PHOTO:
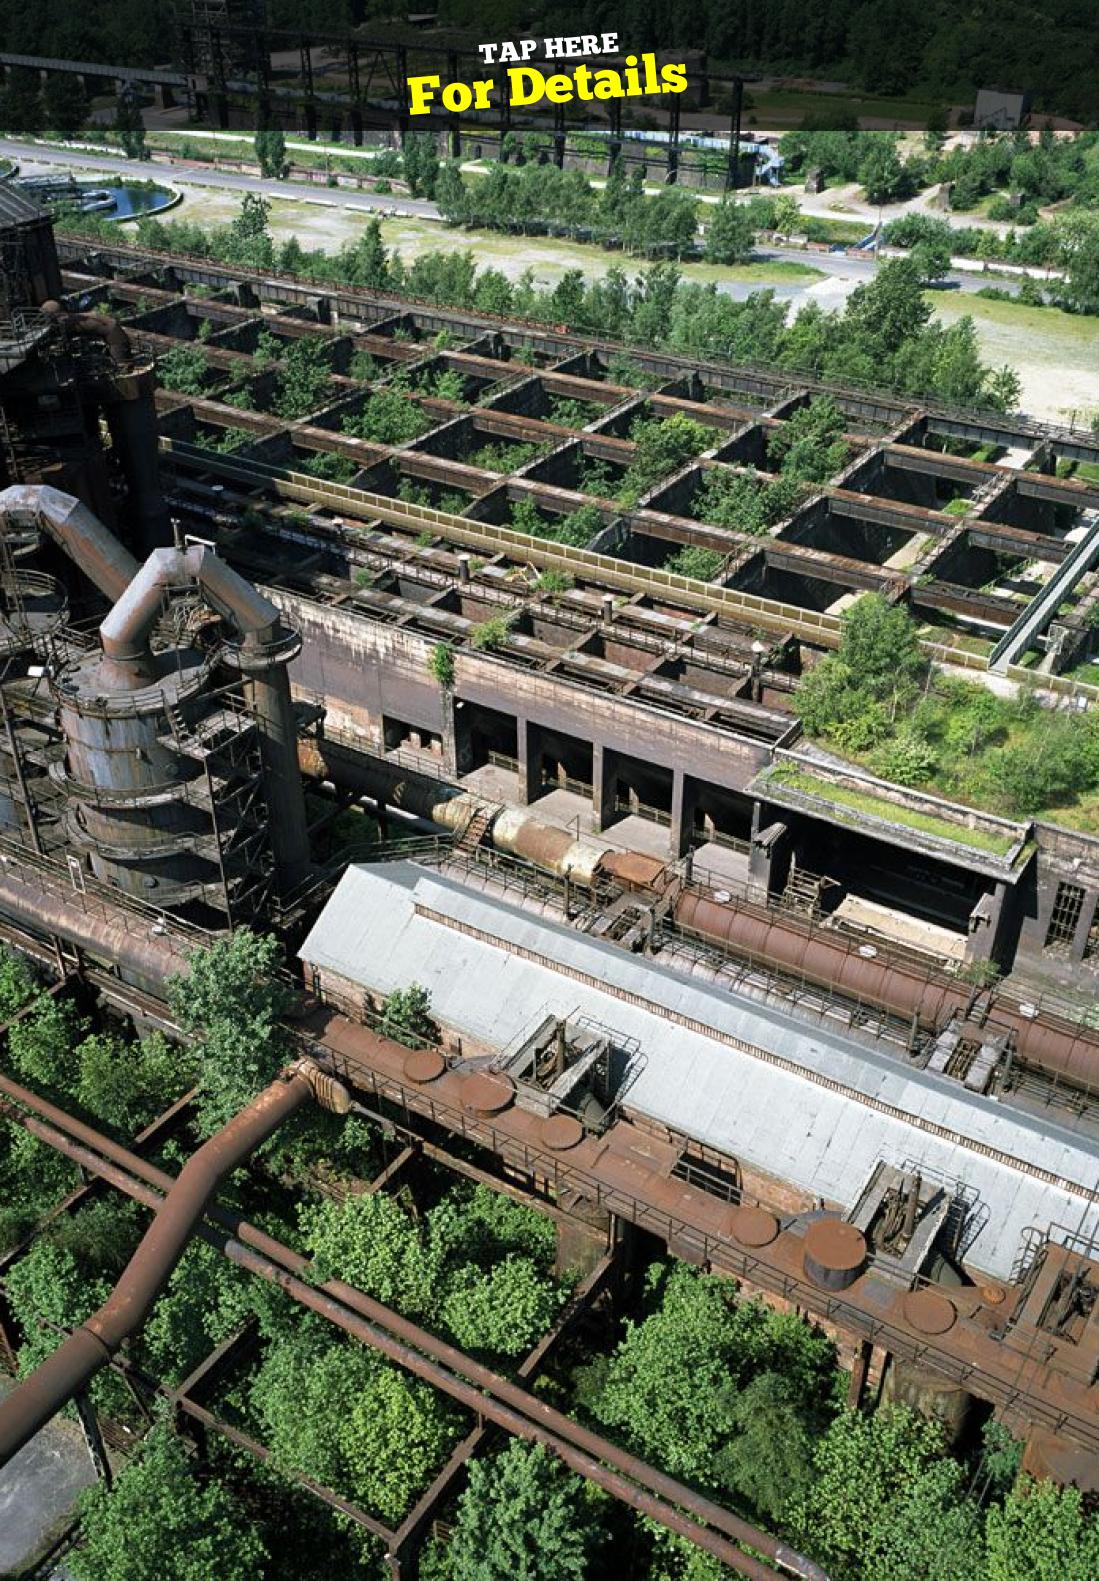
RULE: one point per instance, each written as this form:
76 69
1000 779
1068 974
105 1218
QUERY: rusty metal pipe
91 546
124 633
72 1366
510 1396
107 934
233 595
325 1303
92 326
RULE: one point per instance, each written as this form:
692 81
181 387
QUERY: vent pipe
67 1373
91 547
126 395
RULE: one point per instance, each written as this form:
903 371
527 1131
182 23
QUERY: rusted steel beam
474 1386
204 1378
71 1367
260 1452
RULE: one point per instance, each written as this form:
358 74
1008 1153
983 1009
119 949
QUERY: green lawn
1056 354
890 812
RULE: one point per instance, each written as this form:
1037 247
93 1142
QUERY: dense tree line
888 46
539 199
884 337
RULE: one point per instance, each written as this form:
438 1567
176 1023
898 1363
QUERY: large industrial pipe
512 829
90 1347
1059 1048
144 955
91 547
92 326
128 403
262 655
505 1402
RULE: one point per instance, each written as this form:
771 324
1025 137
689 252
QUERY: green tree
17 985
407 1018
854 694
503 1311
42 1045
880 642
450 194
522 1517
890 310
440 664
421 163
271 152
769 1460
184 368
305 377
248 238
694 561
64 103
369 262
932 260
871 1476
233 1000
663 445
129 124
882 173
339 1413
125 1084
810 446
389 417
162 1519
1078 234
1042 1533
369 1241
671 1387
730 235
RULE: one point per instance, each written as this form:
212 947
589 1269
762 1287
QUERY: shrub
440 663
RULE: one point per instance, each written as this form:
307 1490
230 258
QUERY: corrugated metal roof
780 1120
17 207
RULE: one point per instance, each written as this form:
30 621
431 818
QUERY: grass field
891 812
318 225
1057 354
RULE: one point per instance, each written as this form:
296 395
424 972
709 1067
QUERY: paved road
38 1489
33 157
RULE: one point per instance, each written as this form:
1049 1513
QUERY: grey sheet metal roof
745 1077
17 206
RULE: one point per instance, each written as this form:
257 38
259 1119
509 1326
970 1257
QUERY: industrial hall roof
803 1102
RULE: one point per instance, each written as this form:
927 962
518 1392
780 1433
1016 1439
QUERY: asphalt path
32 157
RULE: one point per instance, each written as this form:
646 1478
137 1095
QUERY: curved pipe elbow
124 633
93 326
88 543
232 596
89 1348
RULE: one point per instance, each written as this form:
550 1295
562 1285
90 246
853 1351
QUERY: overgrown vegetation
877 700
184 368
744 502
389 416
577 528
691 560
883 337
